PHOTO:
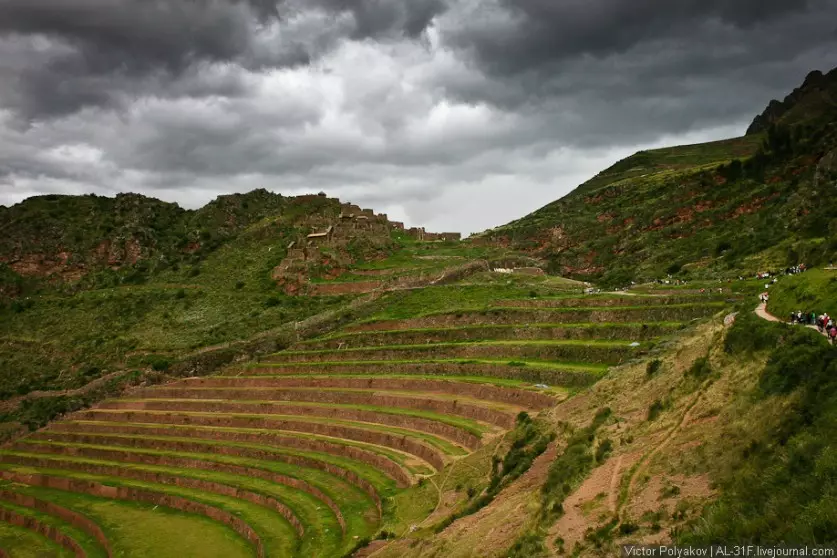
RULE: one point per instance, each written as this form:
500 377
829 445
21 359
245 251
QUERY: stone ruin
323 250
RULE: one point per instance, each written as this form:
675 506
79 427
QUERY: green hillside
739 205
271 376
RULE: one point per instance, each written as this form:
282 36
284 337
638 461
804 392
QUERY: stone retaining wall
594 353
160 478
395 441
75 519
595 302
126 456
429 426
140 495
45 530
511 316
533 374
523 397
378 461
502 419
251 453
629 332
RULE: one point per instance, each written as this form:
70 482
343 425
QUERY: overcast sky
455 114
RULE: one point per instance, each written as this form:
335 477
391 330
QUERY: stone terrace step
522 397
186 461
311 446
499 414
595 352
85 486
457 434
528 332
555 373
521 315
205 447
608 300
395 438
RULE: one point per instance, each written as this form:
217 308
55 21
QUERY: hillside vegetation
763 200
283 377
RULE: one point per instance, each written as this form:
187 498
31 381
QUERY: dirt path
761 312
646 459
613 491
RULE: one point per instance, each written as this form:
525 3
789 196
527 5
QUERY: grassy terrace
499 382
87 543
498 332
383 484
354 504
218 433
138 529
20 542
468 425
596 351
322 532
285 420
364 398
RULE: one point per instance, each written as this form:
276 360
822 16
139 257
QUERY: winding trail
761 312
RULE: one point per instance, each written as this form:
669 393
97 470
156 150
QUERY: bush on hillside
751 334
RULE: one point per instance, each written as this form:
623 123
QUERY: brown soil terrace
140 495
267 502
397 442
68 516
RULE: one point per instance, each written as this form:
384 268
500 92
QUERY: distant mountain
767 199
67 237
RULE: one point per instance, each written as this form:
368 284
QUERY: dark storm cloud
97 52
514 36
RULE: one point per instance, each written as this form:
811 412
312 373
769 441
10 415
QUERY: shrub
239 285
603 450
655 409
751 334
701 368
180 294
272 301
653 367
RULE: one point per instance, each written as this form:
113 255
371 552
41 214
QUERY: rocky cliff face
816 88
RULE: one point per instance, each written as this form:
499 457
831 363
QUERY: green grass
812 291
437 442
89 544
499 382
383 484
23 543
431 346
392 454
137 529
276 533
466 424
353 503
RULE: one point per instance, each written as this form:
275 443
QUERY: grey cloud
515 36
100 53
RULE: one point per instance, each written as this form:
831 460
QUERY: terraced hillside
355 435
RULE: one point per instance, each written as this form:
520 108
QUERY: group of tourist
824 323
